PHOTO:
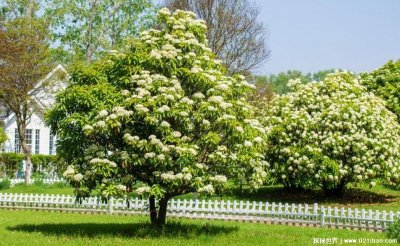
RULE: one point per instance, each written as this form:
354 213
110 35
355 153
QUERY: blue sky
312 35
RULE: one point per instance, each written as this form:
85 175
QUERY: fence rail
265 212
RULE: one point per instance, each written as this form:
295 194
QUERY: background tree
385 83
234 34
23 62
331 133
263 94
280 81
85 28
162 118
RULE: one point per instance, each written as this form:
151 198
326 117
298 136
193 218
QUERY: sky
313 35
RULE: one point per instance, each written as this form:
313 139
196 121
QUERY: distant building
38 136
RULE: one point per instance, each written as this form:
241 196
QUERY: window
28 140
51 144
16 141
37 141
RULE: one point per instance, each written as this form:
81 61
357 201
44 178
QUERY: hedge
42 164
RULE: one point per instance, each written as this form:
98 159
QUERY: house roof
43 94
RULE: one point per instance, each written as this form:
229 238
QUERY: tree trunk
21 127
162 211
158 217
153 210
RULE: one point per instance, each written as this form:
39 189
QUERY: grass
57 188
53 228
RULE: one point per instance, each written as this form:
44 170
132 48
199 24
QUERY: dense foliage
160 120
331 133
43 165
385 83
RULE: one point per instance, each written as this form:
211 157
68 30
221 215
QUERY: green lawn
379 197
58 188
54 228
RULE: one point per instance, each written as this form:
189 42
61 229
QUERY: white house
37 134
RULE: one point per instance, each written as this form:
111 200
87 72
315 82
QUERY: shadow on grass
135 230
279 194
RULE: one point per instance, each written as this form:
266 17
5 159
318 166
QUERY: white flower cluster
208 189
143 190
103 161
69 171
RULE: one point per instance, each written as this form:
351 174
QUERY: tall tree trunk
21 127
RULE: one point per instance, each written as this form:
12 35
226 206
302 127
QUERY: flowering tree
331 133
159 120
385 83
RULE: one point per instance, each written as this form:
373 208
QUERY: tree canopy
24 60
385 83
160 119
331 133
83 29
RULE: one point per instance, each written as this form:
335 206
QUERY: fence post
322 222
110 204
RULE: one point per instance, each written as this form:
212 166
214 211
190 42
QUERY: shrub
10 163
394 230
331 133
43 165
5 183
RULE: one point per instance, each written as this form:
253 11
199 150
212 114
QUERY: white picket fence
263 212
46 181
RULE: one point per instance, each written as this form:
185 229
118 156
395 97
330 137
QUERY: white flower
149 155
87 128
207 189
206 122
168 177
239 129
176 134
70 171
184 114
187 177
199 165
78 177
258 140
100 124
102 113
142 190
248 143
161 157
198 95
195 70
121 187
220 178
164 11
165 124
